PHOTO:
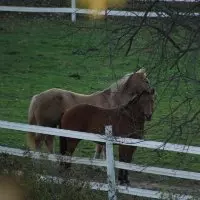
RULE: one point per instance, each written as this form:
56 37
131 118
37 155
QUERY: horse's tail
59 126
32 121
63 146
62 140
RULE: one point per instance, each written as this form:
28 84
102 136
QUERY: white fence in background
111 187
74 11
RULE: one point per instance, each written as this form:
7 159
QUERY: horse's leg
70 146
63 145
49 141
125 155
98 150
63 149
104 151
39 138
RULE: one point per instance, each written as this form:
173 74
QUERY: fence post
110 165
73 5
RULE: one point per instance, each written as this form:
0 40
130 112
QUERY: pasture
38 53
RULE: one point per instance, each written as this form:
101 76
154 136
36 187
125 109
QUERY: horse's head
136 83
131 84
144 103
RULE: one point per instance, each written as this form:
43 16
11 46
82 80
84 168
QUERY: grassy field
40 53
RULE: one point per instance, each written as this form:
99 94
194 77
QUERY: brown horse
127 121
47 107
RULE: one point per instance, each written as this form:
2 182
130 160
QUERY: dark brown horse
127 121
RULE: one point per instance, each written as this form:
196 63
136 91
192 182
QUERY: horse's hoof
61 170
63 167
124 182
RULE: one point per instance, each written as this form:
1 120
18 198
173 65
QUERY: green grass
40 53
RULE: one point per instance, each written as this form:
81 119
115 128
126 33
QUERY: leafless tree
171 45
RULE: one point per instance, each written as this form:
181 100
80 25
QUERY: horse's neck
131 111
133 121
113 98
101 98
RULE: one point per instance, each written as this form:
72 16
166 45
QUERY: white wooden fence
111 187
74 11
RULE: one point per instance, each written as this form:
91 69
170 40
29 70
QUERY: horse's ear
152 91
142 71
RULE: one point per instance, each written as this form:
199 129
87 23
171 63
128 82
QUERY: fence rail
73 10
95 185
102 163
100 138
126 190
109 140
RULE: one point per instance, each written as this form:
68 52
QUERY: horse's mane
121 82
117 85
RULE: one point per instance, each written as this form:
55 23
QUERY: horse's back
51 93
86 118
75 117
57 95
